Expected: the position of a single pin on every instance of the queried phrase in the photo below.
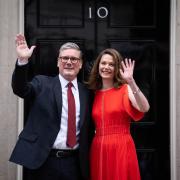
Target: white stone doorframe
(172, 88)
(19, 174)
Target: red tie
(71, 132)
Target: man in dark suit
(43, 146)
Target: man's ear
(57, 63)
(81, 63)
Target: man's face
(69, 63)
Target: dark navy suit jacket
(43, 123)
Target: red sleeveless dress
(113, 154)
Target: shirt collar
(64, 82)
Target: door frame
(20, 125)
(172, 78)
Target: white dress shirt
(60, 142)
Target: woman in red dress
(118, 99)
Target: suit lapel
(82, 97)
(58, 95)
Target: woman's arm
(137, 98)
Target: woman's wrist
(136, 91)
(130, 81)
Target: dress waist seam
(112, 130)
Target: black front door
(138, 29)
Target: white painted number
(90, 13)
(102, 12)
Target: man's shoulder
(45, 77)
(83, 86)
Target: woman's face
(106, 67)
